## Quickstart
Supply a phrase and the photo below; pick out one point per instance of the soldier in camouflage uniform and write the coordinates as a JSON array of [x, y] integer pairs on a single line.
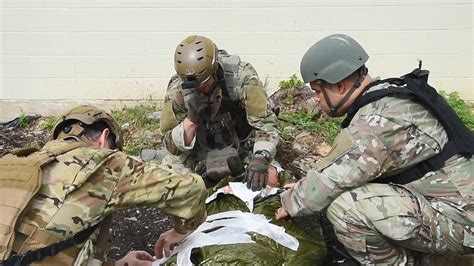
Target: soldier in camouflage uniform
[[216, 116], [383, 200], [84, 179]]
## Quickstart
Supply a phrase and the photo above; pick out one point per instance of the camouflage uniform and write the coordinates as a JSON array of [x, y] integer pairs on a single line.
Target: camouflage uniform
[[86, 184], [379, 223], [248, 96]]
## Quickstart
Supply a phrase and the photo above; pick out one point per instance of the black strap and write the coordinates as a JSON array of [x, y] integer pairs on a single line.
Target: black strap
[[461, 139], [420, 169], [51, 250]]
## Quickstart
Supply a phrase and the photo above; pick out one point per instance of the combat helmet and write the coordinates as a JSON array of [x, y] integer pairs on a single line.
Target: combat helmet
[[332, 59], [87, 115], [195, 59]]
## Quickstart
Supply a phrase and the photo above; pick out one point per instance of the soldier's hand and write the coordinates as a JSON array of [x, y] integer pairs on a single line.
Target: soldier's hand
[[136, 257], [281, 213], [198, 106], [167, 242], [257, 172]]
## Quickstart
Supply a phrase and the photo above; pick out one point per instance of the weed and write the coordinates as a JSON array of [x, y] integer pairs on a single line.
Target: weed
[[142, 131], [287, 134], [460, 107], [289, 99], [23, 121], [49, 123], [328, 127], [137, 116], [291, 83]]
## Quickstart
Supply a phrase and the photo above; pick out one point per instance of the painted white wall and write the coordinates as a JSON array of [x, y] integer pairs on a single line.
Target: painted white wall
[[80, 50]]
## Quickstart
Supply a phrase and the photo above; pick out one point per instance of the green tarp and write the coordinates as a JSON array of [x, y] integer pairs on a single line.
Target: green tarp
[[265, 251]]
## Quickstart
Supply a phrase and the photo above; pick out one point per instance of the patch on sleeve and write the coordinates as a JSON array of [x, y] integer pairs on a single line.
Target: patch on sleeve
[[342, 145], [256, 101], [168, 120]]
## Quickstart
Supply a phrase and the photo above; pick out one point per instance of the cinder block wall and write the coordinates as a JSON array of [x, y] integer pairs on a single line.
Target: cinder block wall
[[58, 53]]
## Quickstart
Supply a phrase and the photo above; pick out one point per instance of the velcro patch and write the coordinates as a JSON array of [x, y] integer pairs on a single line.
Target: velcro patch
[[256, 101]]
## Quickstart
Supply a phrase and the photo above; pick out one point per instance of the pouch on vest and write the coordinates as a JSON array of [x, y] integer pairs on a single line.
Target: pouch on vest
[[223, 162], [20, 180]]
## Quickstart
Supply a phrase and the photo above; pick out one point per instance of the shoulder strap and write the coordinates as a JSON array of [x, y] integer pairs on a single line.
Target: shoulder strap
[[173, 78], [51, 250], [229, 74], [461, 139]]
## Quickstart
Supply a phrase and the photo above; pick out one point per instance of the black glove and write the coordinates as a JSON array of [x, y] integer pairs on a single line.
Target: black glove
[[257, 171], [197, 105]]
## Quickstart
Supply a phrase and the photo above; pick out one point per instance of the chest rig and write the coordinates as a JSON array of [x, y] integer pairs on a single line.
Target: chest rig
[[220, 152]]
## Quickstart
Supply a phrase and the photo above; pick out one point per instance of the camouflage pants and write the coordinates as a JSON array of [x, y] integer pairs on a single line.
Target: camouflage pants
[[380, 224]]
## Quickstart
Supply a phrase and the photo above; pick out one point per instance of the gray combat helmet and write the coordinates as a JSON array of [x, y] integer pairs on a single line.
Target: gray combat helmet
[[332, 59]]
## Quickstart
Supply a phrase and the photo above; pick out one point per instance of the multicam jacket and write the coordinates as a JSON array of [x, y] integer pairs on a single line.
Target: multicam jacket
[[247, 94], [384, 137], [86, 184]]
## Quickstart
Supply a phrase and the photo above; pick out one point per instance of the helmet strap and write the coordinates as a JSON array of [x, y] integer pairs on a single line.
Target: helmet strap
[[333, 110], [189, 84]]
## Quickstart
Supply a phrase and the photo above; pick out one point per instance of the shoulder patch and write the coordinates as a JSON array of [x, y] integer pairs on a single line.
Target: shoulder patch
[[256, 101], [168, 120], [342, 145]]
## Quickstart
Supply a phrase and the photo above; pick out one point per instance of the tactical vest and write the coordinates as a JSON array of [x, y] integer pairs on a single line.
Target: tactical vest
[[228, 73], [460, 138], [219, 140], [20, 180]]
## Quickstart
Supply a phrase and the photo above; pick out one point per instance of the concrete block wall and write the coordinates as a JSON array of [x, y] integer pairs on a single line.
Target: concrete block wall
[[57, 53]]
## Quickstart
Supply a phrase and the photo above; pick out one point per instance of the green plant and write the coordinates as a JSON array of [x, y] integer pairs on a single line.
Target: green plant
[[328, 127], [22, 120], [292, 82], [460, 107], [137, 116], [140, 130], [287, 134], [289, 99], [49, 123]]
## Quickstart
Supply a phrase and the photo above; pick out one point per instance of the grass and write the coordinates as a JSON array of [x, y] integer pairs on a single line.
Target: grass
[[460, 107], [22, 121], [49, 123], [307, 121], [291, 83], [137, 116], [141, 132]]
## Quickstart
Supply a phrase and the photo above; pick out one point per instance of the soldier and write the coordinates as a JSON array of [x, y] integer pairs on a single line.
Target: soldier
[[55, 200], [401, 175], [216, 113]]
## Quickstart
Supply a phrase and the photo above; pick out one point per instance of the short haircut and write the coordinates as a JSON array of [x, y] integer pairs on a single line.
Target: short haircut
[[92, 132]]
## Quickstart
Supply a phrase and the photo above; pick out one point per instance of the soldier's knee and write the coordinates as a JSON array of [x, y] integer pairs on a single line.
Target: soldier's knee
[[339, 209]]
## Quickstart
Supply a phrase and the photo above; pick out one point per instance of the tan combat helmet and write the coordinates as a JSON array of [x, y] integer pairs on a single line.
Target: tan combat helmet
[[88, 115], [196, 58]]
